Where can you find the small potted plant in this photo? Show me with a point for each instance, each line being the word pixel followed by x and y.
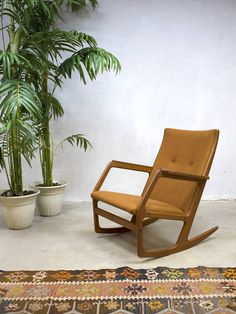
pixel 49 202
pixel 88 60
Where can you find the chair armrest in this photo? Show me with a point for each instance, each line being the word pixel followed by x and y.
pixel 121 165
pixel 182 175
pixel 130 166
pixel 165 173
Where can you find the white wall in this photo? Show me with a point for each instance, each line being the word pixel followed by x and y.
pixel 178 70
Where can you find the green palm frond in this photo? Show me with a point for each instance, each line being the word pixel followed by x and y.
pixel 54 78
pixel 93 60
pixel 51 43
pixel 10 61
pixel 71 64
pixel 32 15
pixel 18 95
pixel 26 139
pixel 76 5
pixel 7 60
pixel 13 10
pixel 54 42
pixel 79 140
pixel 79 39
pixel 33 60
pixel 54 107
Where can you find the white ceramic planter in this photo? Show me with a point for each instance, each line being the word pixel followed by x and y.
pixel 49 201
pixel 19 211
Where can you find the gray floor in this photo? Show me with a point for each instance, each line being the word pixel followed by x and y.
pixel 68 241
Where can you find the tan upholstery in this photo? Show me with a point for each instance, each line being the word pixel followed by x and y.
pixel 129 203
pixel 173 190
pixel 182 151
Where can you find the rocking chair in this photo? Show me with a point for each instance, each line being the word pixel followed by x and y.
pixel 173 189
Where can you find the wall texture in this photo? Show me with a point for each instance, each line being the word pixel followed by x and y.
pixel 178 70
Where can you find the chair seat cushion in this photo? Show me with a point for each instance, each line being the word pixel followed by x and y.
pixel 129 203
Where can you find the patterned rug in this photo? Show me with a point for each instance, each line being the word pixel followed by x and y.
pixel 121 291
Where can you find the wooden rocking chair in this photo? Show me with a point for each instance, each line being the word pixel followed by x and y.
pixel 173 190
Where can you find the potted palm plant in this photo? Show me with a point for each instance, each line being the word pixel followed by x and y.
pixel 17 139
pixel 20 111
pixel 88 60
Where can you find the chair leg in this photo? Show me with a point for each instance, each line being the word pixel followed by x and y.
pixel 99 229
pixel 182 243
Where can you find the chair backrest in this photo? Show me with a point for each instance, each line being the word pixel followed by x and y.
pixel 183 151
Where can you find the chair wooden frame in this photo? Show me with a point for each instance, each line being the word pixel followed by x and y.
pixel 140 219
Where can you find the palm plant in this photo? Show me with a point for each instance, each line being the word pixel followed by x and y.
pixel 30 62
pixel 20 106
pixel 85 57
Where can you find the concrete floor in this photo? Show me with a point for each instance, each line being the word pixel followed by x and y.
pixel 68 241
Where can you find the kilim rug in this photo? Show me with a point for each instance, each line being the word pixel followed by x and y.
pixel 123 290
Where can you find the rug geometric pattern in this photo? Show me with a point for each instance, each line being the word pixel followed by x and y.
pixel 120 291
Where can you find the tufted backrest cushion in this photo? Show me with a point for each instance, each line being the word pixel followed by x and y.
pixel 183 151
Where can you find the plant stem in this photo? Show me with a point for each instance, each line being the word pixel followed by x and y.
pixel 46 147
pixel 46 154
pixel 6 172
pixel 11 169
pixel 2 29
pixel 16 159
pixel 15 152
